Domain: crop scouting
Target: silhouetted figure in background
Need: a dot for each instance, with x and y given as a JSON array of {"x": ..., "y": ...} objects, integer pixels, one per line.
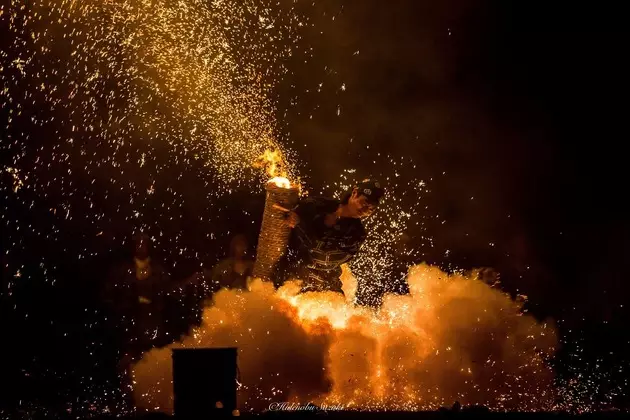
[
  {"x": 136, "y": 296},
  {"x": 231, "y": 272},
  {"x": 234, "y": 271}
]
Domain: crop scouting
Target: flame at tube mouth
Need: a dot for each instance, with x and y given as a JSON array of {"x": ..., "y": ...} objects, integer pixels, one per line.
[
  {"x": 280, "y": 182},
  {"x": 274, "y": 165}
]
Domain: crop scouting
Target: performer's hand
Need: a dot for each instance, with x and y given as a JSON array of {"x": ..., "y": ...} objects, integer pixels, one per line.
[{"x": 292, "y": 219}]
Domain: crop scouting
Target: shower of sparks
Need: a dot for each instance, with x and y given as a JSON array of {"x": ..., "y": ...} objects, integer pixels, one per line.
[
  {"x": 386, "y": 255},
  {"x": 134, "y": 79},
  {"x": 114, "y": 109}
]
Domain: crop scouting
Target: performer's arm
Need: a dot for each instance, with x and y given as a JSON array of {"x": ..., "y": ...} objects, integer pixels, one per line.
[{"x": 306, "y": 210}]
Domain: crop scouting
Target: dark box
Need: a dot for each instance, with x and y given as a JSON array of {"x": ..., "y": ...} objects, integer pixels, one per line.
[{"x": 204, "y": 382}]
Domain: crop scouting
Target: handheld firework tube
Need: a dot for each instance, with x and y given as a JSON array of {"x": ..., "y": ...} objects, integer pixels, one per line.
[{"x": 274, "y": 232}]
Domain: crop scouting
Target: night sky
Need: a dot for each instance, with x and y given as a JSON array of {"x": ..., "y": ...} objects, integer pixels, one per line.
[{"x": 513, "y": 112}]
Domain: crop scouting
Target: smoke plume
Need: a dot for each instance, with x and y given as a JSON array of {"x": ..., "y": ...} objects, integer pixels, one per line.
[{"x": 453, "y": 338}]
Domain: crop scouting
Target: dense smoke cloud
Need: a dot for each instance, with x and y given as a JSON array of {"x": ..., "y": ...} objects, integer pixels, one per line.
[{"x": 455, "y": 337}]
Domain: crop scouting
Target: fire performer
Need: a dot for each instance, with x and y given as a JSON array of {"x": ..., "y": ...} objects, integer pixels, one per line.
[{"x": 326, "y": 234}]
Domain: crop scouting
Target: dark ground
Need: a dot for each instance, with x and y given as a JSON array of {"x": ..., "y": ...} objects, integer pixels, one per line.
[{"x": 436, "y": 415}]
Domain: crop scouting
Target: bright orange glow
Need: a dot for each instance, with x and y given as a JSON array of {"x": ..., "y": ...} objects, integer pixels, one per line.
[
  {"x": 274, "y": 164},
  {"x": 453, "y": 338},
  {"x": 280, "y": 181}
]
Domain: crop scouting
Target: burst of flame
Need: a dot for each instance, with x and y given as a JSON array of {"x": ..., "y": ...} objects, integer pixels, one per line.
[
  {"x": 453, "y": 338},
  {"x": 274, "y": 163}
]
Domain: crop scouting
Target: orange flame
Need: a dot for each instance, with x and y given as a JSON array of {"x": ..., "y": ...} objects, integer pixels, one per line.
[
  {"x": 273, "y": 163},
  {"x": 280, "y": 182}
]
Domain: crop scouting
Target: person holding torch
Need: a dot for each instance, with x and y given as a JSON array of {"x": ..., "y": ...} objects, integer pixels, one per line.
[{"x": 327, "y": 233}]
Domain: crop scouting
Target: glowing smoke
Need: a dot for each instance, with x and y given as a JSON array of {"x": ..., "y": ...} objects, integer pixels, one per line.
[{"x": 453, "y": 338}]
